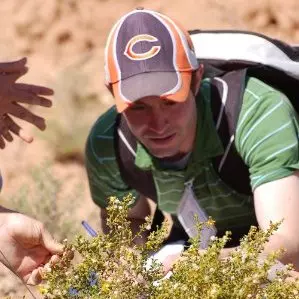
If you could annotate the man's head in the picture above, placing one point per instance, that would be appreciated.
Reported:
(149, 64)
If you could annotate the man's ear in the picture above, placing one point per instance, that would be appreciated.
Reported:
(196, 79)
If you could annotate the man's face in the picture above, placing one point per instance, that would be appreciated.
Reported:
(166, 128)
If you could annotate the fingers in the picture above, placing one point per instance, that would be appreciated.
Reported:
(4, 133)
(24, 114)
(13, 66)
(294, 275)
(38, 274)
(35, 277)
(8, 126)
(36, 89)
(17, 130)
(54, 259)
(12, 71)
(7, 136)
(20, 92)
(2, 143)
(50, 243)
(12, 77)
(169, 262)
(23, 96)
(8, 79)
(25, 136)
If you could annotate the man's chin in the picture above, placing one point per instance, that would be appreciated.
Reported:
(162, 154)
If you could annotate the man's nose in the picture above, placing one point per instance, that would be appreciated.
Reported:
(158, 122)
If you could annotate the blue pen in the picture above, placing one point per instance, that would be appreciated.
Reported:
(93, 278)
(89, 229)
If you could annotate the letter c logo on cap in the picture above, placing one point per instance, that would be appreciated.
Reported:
(154, 50)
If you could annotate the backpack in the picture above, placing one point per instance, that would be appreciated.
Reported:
(228, 57)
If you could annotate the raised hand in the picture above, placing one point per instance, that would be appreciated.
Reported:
(12, 94)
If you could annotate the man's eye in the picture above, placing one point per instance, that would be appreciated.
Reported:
(169, 103)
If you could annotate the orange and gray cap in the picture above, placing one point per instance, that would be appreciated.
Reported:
(148, 54)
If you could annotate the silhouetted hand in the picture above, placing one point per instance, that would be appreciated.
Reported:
(12, 94)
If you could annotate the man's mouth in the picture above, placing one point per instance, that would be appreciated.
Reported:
(160, 139)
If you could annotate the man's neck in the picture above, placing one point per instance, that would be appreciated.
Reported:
(178, 162)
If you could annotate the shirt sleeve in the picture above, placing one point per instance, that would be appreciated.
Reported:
(102, 170)
(267, 135)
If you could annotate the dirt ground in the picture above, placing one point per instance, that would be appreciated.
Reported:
(64, 42)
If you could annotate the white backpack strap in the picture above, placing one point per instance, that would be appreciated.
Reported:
(246, 47)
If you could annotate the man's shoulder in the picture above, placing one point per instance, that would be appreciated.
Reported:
(263, 96)
(100, 142)
(257, 88)
(105, 124)
(253, 86)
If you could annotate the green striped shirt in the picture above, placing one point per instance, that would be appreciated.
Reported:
(266, 138)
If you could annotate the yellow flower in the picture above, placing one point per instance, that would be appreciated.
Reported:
(105, 287)
(210, 222)
(43, 290)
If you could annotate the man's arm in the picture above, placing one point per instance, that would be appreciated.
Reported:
(275, 201)
(137, 215)
(267, 140)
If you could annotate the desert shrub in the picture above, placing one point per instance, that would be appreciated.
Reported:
(112, 266)
(42, 197)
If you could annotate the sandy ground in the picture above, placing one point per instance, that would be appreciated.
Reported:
(64, 42)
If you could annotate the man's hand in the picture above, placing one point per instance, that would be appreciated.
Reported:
(11, 94)
(26, 246)
(171, 260)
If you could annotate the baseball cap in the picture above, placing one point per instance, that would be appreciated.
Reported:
(148, 54)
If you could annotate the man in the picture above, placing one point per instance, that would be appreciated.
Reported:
(164, 106)
(25, 245)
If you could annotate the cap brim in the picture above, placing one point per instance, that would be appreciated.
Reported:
(162, 84)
